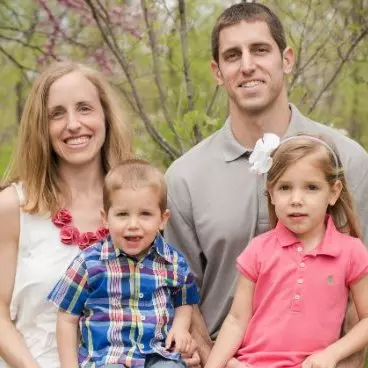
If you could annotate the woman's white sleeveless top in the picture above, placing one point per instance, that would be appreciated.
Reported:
(42, 260)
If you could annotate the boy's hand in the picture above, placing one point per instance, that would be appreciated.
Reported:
(322, 359)
(181, 341)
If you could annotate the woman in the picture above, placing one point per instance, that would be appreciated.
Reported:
(71, 133)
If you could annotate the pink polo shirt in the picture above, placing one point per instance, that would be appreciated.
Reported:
(300, 298)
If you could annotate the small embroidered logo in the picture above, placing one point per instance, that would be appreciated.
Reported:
(330, 279)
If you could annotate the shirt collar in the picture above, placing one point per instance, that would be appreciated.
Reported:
(162, 248)
(232, 149)
(329, 246)
(108, 251)
(297, 122)
(159, 246)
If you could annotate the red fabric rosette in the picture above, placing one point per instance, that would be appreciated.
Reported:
(70, 235)
(62, 218)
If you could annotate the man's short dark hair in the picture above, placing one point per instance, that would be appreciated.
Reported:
(249, 12)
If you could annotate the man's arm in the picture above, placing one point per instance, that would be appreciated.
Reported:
(357, 178)
(356, 360)
(180, 232)
(199, 332)
(358, 169)
(360, 195)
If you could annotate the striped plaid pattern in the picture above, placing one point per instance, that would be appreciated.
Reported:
(126, 306)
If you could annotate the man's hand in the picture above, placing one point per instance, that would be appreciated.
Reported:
(322, 359)
(192, 360)
(354, 361)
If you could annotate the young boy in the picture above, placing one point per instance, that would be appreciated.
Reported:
(132, 294)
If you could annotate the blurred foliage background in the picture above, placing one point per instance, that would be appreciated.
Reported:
(157, 54)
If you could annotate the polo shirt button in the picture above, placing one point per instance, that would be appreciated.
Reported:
(299, 249)
(300, 281)
(141, 265)
(143, 318)
(297, 297)
(302, 265)
(141, 295)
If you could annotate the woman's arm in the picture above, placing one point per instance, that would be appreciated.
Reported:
(233, 329)
(12, 346)
(67, 339)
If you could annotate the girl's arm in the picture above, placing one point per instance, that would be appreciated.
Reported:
(12, 346)
(233, 329)
(355, 340)
(67, 339)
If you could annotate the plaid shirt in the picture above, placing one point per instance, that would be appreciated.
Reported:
(126, 305)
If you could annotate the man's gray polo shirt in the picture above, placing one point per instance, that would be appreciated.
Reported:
(217, 206)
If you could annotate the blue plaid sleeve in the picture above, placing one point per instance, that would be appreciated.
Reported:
(71, 291)
(187, 292)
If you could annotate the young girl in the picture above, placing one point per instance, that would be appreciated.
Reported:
(294, 280)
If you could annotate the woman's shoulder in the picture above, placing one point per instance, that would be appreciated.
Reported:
(9, 201)
(9, 215)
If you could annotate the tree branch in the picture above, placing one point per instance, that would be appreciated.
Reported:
(127, 97)
(23, 43)
(186, 65)
(300, 47)
(212, 101)
(157, 74)
(337, 71)
(119, 55)
(16, 62)
(12, 11)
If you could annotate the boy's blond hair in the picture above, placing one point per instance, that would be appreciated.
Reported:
(134, 173)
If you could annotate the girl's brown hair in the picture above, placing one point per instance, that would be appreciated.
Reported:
(343, 212)
(34, 162)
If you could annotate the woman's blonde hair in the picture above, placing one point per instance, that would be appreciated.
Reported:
(34, 163)
(343, 212)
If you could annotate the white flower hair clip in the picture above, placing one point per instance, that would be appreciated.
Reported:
(260, 159)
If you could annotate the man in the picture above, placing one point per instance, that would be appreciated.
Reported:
(217, 205)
